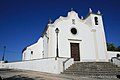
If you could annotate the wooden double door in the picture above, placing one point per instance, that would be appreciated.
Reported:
(75, 51)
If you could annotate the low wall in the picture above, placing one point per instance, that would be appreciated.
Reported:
(50, 65)
(112, 54)
(1, 64)
(116, 61)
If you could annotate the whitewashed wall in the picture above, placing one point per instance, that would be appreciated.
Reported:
(112, 54)
(84, 37)
(1, 66)
(37, 49)
(116, 61)
(90, 37)
(100, 38)
(45, 45)
(50, 65)
(98, 35)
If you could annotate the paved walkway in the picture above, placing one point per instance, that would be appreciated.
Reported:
(34, 75)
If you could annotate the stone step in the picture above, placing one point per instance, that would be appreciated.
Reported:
(96, 76)
(89, 65)
(105, 64)
(92, 68)
(92, 63)
(93, 74)
(100, 73)
(88, 72)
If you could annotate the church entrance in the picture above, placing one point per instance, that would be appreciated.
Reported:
(75, 53)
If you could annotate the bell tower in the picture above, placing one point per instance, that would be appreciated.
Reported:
(94, 20)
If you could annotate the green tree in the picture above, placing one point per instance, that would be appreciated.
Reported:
(118, 48)
(111, 47)
(6, 61)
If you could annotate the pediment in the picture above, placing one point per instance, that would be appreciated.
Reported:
(71, 14)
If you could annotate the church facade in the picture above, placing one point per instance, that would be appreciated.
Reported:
(82, 39)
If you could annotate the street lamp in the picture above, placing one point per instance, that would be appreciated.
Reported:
(57, 31)
(3, 54)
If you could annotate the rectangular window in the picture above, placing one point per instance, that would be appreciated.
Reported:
(73, 21)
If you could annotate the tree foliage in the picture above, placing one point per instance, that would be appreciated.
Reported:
(111, 47)
(118, 48)
(6, 61)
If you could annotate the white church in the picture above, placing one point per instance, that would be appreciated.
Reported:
(82, 39)
(65, 41)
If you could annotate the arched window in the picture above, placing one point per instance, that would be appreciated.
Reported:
(96, 20)
(32, 52)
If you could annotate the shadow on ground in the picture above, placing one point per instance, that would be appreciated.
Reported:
(17, 77)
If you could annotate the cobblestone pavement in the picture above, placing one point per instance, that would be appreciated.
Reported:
(9, 74)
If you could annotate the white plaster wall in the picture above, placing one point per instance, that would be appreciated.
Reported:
(50, 65)
(47, 42)
(88, 21)
(37, 49)
(87, 48)
(27, 54)
(50, 44)
(112, 54)
(68, 63)
(116, 61)
(100, 40)
(1, 64)
(45, 46)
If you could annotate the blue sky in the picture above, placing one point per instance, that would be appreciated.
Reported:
(23, 21)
